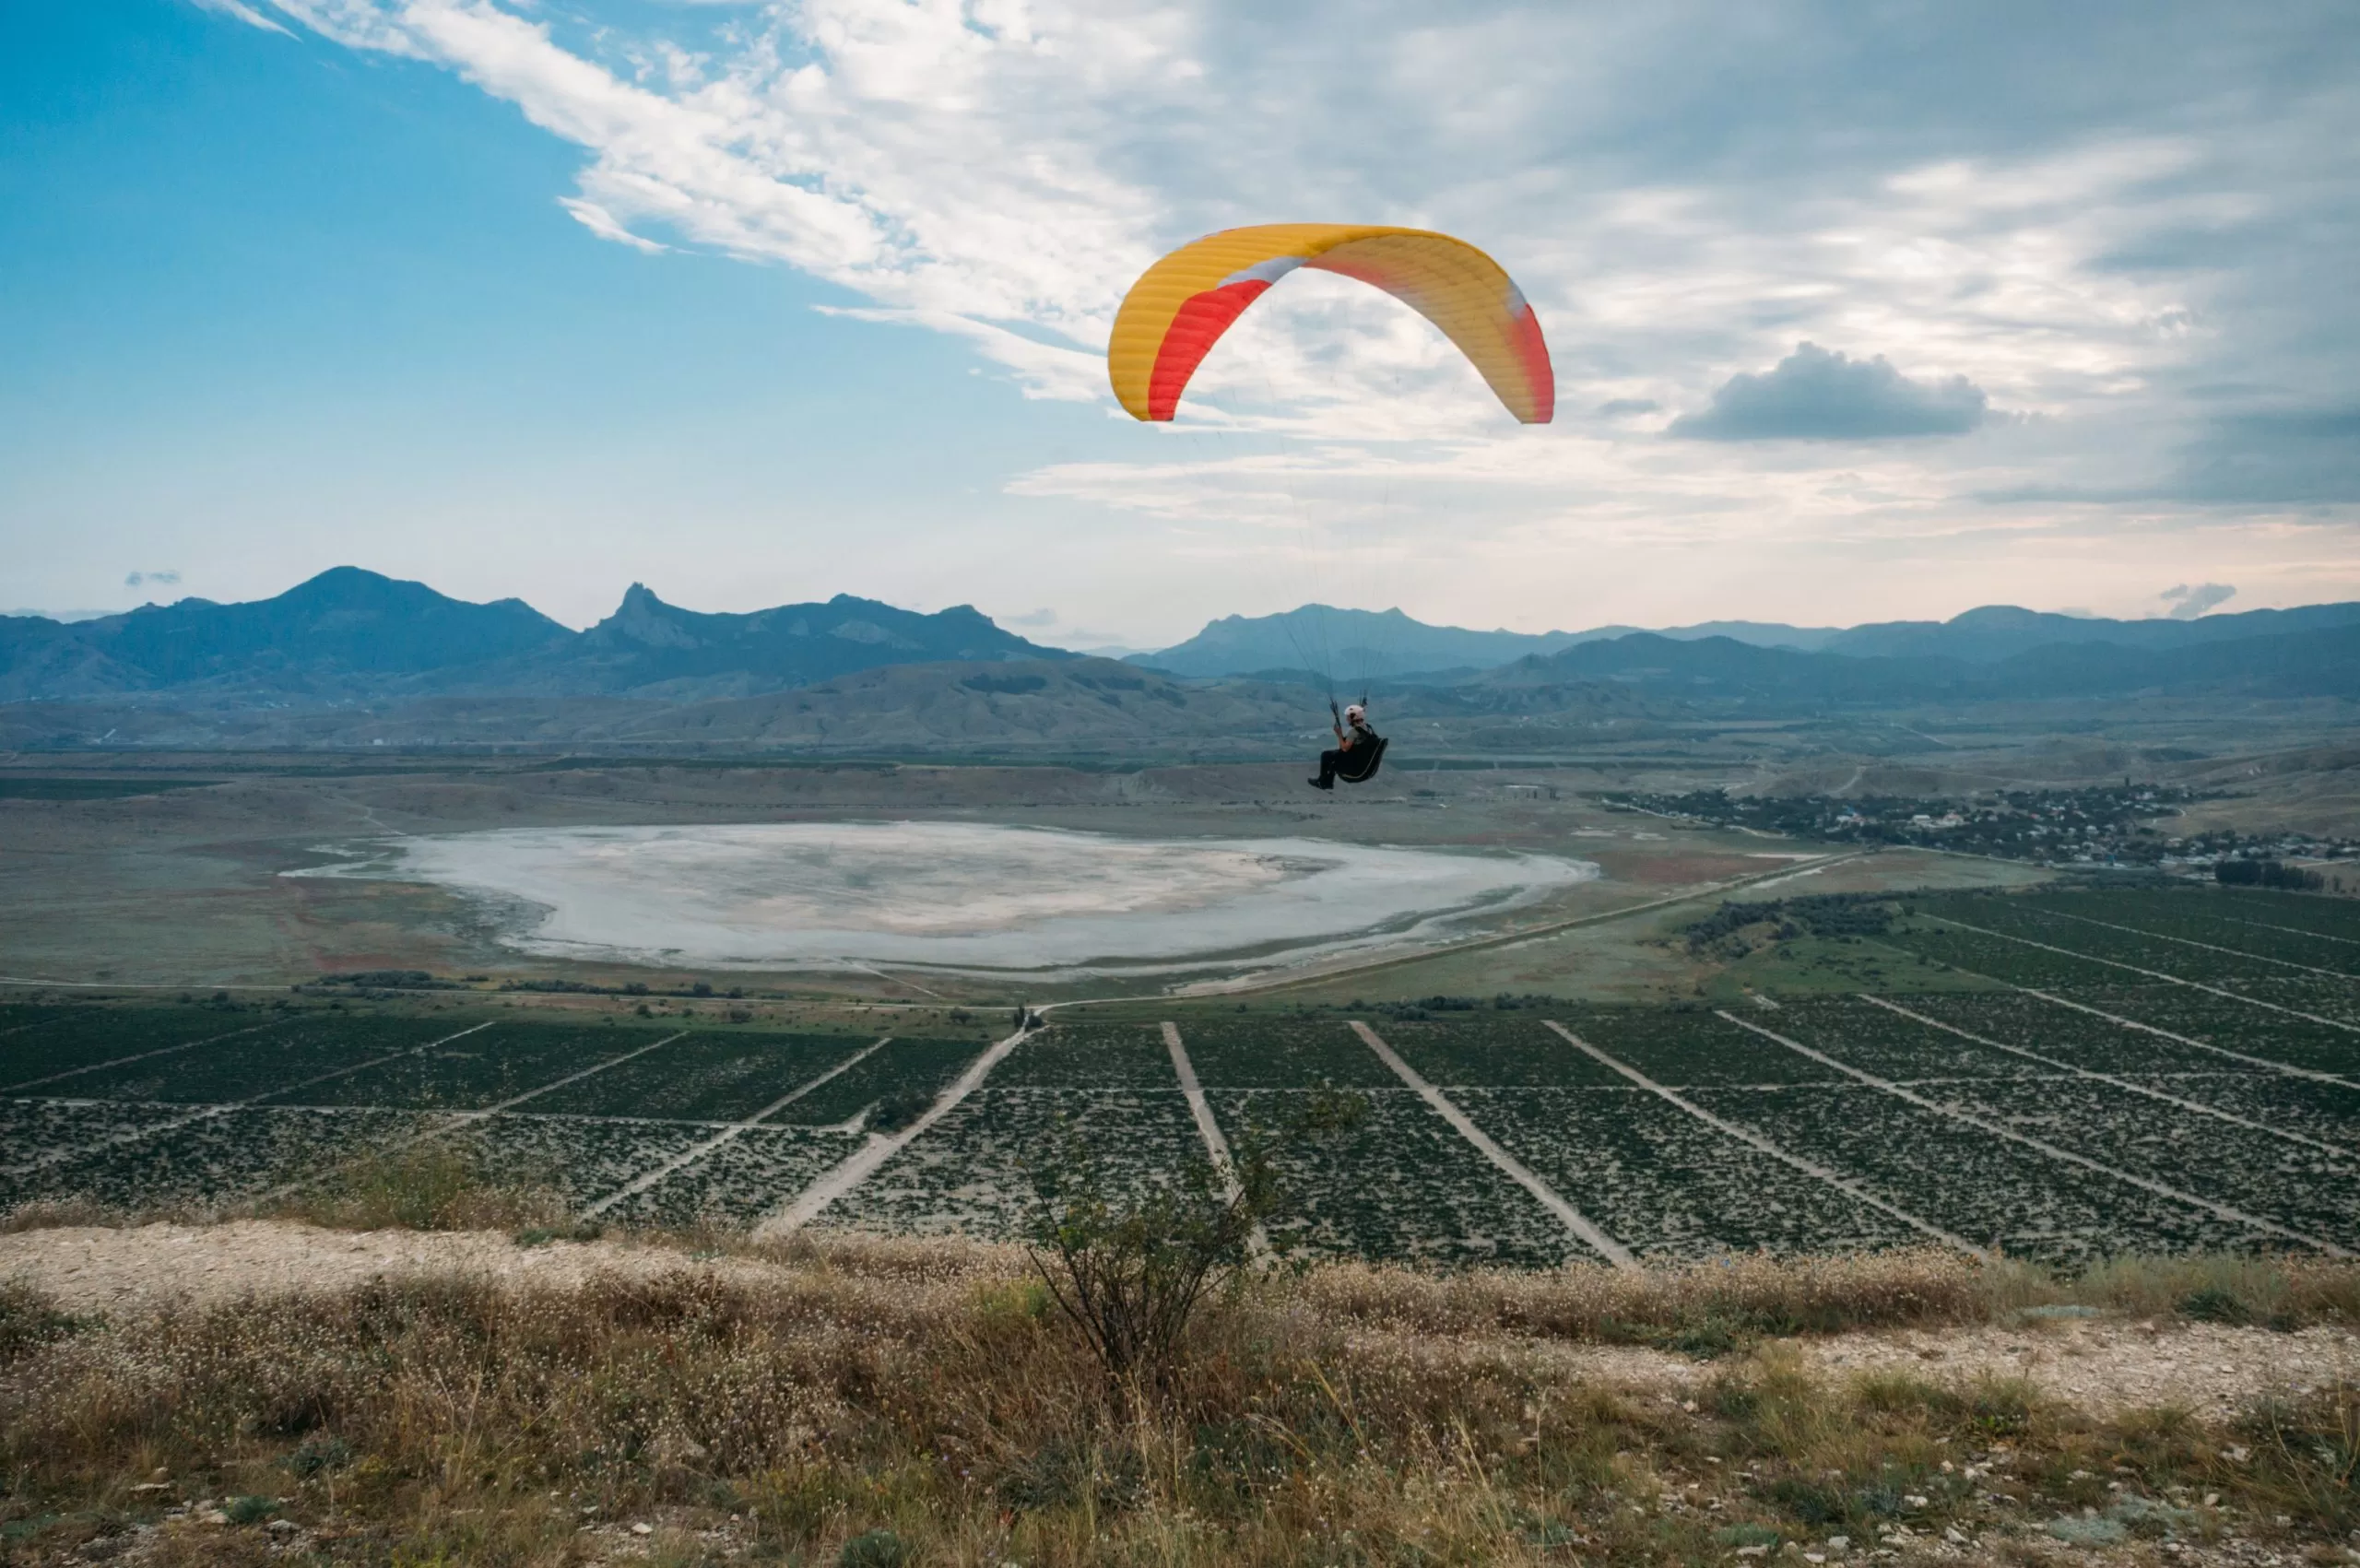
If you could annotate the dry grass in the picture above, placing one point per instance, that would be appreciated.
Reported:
(929, 1391)
(2280, 1291)
(1715, 1304)
(428, 1186)
(52, 1214)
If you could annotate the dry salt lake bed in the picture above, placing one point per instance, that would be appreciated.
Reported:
(2110, 1072)
(969, 898)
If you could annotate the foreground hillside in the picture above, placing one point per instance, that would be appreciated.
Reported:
(272, 1391)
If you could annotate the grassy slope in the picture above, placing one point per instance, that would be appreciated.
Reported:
(1346, 1414)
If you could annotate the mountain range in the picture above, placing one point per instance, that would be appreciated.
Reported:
(1354, 645)
(352, 657)
(1386, 645)
(1720, 671)
(350, 634)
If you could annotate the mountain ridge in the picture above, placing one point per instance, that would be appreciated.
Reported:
(1353, 645)
(1382, 644)
(349, 655)
(2321, 661)
(349, 633)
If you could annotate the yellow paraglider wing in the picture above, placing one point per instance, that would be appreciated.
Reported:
(1179, 308)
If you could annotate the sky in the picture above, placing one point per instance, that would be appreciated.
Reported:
(1860, 311)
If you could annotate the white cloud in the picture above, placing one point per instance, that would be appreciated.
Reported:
(1813, 394)
(244, 13)
(1684, 191)
(2189, 601)
(605, 225)
(989, 167)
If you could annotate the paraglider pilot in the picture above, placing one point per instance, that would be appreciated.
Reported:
(1356, 752)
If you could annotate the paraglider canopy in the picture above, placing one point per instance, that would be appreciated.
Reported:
(1180, 307)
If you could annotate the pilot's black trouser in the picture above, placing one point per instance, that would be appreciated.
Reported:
(1334, 762)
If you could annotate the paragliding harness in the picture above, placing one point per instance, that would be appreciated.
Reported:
(1359, 763)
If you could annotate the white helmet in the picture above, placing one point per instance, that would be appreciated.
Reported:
(1355, 712)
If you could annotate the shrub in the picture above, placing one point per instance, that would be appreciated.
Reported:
(2267, 874)
(2275, 1291)
(898, 1110)
(31, 1319)
(319, 1454)
(1130, 1275)
(2213, 1304)
(2306, 1457)
(874, 1548)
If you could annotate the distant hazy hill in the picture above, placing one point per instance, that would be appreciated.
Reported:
(1353, 644)
(344, 627)
(1019, 706)
(648, 648)
(1066, 703)
(2323, 663)
(349, 633)
(1999, 631)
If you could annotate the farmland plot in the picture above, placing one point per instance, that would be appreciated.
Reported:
(478, 1069)
(2303, 1107)
(1969, 1181)
(968, 1172)
(2233, 1026)
(915, 1069)
(2337, 918)
(2189, 956)
(2336, 999)
(83, 1037)
(276, 1060)
(1283, 1054)
(1998, 958)
(2196, 918)
(1403, 1185)
(1875, 1040)
(217, 1159)
(741, 1181)
(583, 1157)
(1109, 1088)
(704, 1076)
(2302, 1188)
(2086, 1042)
(16, 1017)
(1675, 1047)
(1089, 1055)
(2328, 1111)
(35, 1132)
(1667, 1184)
(1496, 1053)
(2022, 917)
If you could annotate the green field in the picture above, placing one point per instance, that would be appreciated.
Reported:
(2095, 1073)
